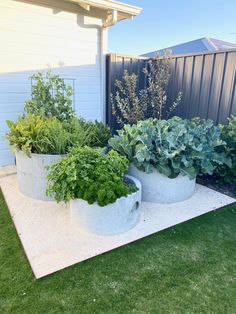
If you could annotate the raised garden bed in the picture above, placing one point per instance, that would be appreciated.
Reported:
(158, 188)
(115, 218)
(32, 175)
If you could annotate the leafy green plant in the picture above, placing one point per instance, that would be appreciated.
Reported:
(96, 133)
(130, 105)
(173, 146)
(51, 97)
(35, 134)
(228, 172)
(89, 174)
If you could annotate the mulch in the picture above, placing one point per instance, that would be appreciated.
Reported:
(216, 183)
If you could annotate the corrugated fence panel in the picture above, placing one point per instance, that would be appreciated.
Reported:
(206, 86)
(207, 81)
(187, 85)
(196, 86)
(228, 87)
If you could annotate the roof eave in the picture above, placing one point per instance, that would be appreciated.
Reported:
(111, 5)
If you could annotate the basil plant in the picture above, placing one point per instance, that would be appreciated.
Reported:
(172, 147)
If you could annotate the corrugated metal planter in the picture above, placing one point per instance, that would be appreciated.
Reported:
(158, 188)
(111, 219)
(31, 174)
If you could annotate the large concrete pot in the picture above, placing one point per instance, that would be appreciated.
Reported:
(158, 188)
(31, 174)
(111, 219)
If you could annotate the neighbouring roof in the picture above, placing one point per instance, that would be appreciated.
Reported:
(116, 11)
(204, 44)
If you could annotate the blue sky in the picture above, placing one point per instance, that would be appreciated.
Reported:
(167, 23)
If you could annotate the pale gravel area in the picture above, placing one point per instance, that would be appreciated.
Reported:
(52, 241)
(7, 170)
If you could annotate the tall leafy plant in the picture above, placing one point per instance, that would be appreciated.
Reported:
(131, 104)
(173, 146)
(51, 97)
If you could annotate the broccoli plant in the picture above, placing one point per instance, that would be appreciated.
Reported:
(173, 146)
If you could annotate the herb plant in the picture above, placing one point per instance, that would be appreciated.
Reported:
(51, 97)
(96, 134)
(35, 134)
(89, 174)
(173, 146)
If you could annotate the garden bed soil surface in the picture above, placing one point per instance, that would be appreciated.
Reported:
(216, 183)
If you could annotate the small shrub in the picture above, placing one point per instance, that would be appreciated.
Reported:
(89, 174)
(173, 146)
(130, 105)
(51, 97)
(228, 172)
(35, 134)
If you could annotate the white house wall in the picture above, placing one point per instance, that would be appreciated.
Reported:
(50, 35)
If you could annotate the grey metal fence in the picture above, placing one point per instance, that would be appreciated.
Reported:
(207, 80)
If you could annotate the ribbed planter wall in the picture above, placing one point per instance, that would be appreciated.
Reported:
(111, 219)
(31, 174)
(158, 188)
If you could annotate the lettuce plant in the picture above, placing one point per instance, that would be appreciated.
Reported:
(173, 146)
(89, 174)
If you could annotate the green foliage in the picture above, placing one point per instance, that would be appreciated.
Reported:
(173, 146)
(89, 174)
(51, 97)
(35, 134)
(97, 133)
(130, 105)
(228, 172)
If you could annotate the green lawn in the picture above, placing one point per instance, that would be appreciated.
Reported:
(190, 268)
